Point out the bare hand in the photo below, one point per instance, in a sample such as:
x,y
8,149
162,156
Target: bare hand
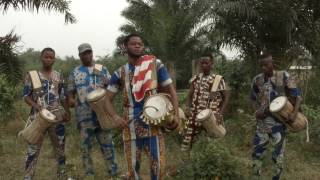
x,y
66,117
260,114
37,107
120,122
174,124
188,112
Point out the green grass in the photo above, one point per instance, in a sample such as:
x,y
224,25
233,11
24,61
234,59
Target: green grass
x,y
302,161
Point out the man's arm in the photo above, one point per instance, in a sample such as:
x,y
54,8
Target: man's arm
x,y
112,112
226,97
189,97
28,99
174,100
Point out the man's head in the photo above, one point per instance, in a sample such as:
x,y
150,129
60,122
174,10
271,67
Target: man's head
x,y
134,45
266,63
85,54
47,57
206,62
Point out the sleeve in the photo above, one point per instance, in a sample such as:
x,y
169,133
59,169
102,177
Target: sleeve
x,y
254,90
115,81
27,87
105,77
71,86
163,75
291,85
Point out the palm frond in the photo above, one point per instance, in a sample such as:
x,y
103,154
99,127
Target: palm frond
x,y
10,66
61,6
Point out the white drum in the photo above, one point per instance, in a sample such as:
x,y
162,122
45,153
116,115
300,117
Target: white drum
x,y
97,102
157,110
36,129
282,108
209,123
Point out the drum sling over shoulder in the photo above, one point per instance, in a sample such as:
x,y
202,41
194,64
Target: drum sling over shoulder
x,y
35,80
216,83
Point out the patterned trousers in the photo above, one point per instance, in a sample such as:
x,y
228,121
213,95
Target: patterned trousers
x,y
104,139
193,128
154,148
57,136
273,133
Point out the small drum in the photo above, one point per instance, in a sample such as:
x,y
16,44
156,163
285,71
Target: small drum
x,y
281,108
157,110
96,100
209,123
35,130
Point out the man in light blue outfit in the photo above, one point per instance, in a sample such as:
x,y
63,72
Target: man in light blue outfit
x,y
83,80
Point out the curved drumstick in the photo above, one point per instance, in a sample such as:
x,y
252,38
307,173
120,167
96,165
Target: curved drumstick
x,y
151,107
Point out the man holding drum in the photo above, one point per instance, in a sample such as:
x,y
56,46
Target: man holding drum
x,y
83,80
137,135
50,95
207,91
265,88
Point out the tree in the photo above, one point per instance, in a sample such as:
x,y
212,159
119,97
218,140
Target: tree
x,y
10,65
175,31
61,6
281,27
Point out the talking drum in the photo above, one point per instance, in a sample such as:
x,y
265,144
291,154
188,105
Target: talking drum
x,y
282,108
96,100
157,110
36,129
209,123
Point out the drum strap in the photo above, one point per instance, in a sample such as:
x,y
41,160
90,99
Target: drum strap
x,y
35,80
216,83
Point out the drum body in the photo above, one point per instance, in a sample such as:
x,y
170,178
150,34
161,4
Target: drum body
x,y
209,123
157,110
36,129
97,100
282,108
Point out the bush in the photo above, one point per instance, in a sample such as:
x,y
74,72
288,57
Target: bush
x,y
8,93
209,159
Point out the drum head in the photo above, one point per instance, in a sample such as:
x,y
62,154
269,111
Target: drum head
x,y
155,107
204,114
277,104
96,94
44,113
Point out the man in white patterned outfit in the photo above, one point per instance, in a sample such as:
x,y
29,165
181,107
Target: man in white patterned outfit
x,y
200,98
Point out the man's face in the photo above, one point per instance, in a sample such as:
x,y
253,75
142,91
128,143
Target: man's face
x,y
86,57
135,47
48,58
267,66
205,64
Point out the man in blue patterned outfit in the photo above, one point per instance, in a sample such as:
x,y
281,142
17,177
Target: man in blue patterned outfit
x,y
83,80
266,87
51,97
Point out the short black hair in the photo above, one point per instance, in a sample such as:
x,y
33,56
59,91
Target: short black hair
x,y
207,55
47,49
264,54
127,38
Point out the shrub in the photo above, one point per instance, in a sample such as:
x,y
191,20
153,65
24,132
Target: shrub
x,y
209,159
8,93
